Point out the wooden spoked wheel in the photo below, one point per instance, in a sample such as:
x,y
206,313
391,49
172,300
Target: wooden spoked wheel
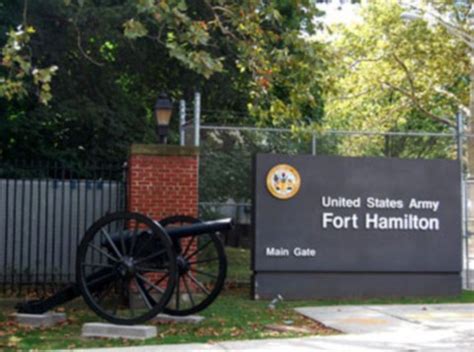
x,y
126,268
202,268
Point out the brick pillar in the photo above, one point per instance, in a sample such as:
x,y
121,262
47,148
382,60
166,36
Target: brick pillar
x,y
163,180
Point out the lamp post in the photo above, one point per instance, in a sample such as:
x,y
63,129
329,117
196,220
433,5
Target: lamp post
x,y
162,111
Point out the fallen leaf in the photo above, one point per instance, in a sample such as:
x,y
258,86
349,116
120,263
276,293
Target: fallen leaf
x,y
13,341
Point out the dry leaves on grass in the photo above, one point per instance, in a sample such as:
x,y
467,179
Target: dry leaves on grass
x,y
13,341
234,332
208,331
11,328
315,327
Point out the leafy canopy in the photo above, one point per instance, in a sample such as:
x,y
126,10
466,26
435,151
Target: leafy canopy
x,y
387,68
264,40
393,75
249,56
18,68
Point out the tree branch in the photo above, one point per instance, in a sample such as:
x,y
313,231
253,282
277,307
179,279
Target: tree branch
x,y
455,30
354,96
411,82
408,74
218,21
453,96
79,44
25,13
358,61
418,105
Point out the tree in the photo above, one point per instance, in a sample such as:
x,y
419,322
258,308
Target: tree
x,y
17,73
391,75
248,56
96,111
263,40
457,18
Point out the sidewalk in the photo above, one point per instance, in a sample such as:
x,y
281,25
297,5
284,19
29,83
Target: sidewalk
x,y
436,327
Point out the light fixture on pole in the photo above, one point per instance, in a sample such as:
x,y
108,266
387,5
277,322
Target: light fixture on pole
x,y
162,111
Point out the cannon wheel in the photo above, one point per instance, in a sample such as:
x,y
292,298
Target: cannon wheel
x,y
126,268
204,274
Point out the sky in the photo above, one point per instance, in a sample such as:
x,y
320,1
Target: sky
x,y
339,11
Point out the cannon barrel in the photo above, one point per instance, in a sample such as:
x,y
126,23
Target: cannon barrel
x,y
201,228
183,231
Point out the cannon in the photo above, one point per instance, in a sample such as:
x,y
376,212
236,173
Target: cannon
x,y
129,268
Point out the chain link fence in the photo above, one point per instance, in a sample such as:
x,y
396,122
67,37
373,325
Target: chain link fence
x,y
226,152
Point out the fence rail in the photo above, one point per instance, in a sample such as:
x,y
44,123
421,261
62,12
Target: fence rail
x,y
45,210
225,180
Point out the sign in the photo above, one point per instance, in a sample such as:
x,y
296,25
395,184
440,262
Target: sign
x,y
330,221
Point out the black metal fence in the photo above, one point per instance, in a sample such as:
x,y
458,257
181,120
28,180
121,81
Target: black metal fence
x,y
45,209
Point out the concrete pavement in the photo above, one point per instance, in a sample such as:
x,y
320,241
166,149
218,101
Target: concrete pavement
x,y
437,327
393,318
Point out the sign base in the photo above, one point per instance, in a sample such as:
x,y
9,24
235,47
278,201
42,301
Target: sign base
x,y
266,285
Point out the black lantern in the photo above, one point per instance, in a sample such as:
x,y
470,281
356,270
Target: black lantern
x,y
162,111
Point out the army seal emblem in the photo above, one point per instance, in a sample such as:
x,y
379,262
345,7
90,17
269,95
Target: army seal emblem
x,y
283,181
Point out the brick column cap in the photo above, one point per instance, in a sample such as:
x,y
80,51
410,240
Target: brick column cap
x,y
163,150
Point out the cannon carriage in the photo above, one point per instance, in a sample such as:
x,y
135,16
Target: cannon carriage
x,y
129,268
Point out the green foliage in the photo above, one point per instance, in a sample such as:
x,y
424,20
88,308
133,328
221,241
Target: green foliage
x,y
262,40
93,117
391,75
226,161
239,265
18,68
134,29
116,56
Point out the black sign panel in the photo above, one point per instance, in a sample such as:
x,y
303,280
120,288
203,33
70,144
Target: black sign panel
x,y
357,215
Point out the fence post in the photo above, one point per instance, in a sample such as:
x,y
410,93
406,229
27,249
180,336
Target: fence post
x,y
124,185
182,122
459,136
313,143
197,118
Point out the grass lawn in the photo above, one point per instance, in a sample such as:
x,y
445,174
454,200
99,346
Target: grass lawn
x,y
232,316
238,265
